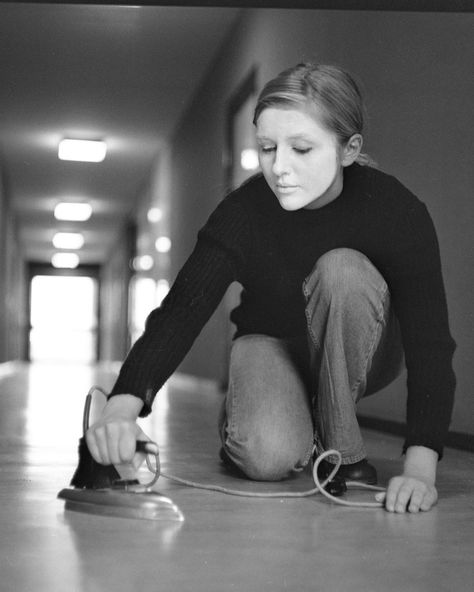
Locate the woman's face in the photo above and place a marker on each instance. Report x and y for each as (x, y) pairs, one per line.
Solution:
(300, 159)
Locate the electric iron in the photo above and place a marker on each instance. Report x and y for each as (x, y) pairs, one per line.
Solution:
(99, 489)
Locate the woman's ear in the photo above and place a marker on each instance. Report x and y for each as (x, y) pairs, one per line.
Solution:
(351, 149)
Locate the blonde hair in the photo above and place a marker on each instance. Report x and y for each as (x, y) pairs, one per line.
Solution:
(328, 89)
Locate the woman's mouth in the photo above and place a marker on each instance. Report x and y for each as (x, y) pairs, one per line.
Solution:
(285, 188)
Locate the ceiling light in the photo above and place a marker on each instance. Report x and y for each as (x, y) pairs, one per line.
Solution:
(68, 240)
(83, 150)
(163, 244)
(154, 215)
(143, 263)
(249, 159)
(77, 212)
(61, 260)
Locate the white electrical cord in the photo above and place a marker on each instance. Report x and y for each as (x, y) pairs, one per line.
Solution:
(151, 450)
(320, 487)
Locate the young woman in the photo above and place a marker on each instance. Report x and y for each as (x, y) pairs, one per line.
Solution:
(342, 283)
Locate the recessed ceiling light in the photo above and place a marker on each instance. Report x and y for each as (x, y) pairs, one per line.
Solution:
(82, 150)
(163, 244)
(154, 215)
(68, 240)
(62, 260)
(143, 263)
(77, 212)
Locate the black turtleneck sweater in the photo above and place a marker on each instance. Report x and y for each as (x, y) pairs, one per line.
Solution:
(251, 239)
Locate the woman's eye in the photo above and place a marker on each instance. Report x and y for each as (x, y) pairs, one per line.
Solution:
(302, 150)
(267, 149)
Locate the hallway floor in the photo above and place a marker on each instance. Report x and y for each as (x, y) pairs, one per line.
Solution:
(225, 543)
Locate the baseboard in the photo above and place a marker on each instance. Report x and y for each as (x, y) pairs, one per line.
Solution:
(458, 440)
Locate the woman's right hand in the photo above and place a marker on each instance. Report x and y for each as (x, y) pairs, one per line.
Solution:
(112, 438)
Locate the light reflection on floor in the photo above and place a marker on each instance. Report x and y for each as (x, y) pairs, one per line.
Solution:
(225, 543)
(54, 410)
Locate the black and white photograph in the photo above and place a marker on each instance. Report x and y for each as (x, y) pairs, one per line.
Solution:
(237, 296)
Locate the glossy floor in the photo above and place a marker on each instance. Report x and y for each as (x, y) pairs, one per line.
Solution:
(225, 543)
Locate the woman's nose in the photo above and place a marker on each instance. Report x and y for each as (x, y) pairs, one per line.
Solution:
(280, 163)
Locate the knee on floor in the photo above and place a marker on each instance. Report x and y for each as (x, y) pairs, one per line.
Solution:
(262, 460)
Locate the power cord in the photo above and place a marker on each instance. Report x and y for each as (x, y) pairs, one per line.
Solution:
(320, 486)
(151, 451)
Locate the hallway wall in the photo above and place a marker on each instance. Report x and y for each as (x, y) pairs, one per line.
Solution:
(416, 70)
(12, 284)
(114, 299)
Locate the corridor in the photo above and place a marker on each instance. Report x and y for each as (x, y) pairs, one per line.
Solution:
(225, 543)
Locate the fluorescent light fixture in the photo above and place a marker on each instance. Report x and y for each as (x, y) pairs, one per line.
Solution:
(62, 260)
(82, 150)
(68, 240)
(249, 159)
(77, 212)
(163, 244)
(154, 215)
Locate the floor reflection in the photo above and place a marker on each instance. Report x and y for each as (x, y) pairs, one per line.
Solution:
(123, 567)
(225, 542)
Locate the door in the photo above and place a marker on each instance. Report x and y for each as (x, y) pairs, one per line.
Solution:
(63, 319)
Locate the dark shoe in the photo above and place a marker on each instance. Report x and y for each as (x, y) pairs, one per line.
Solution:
(337, 486)
(361, 471)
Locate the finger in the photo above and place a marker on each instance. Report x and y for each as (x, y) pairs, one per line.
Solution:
(113, 435)
(99, 445)
(152, 448)
(429, 500)
(392, 493)
(144, 446)
(404, 494)
(416, 500)
(127, 442)
(380, 497)
(92, 446)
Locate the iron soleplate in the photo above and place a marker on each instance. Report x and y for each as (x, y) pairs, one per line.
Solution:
(147, 505)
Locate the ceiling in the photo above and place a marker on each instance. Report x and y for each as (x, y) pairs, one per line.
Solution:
(122, 74)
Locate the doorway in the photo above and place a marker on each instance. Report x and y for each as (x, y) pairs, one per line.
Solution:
(63, 318)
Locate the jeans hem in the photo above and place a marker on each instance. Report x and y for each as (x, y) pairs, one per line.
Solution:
(355, 458)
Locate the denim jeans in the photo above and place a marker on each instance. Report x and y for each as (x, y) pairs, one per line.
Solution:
(284, 401)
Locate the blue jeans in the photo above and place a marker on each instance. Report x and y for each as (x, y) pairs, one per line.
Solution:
(285, 400)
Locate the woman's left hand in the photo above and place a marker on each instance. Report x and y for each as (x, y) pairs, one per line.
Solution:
(409, 494)
(414, 490)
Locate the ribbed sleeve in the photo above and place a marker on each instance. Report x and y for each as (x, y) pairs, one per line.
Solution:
(170, 330)
(420, 304)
